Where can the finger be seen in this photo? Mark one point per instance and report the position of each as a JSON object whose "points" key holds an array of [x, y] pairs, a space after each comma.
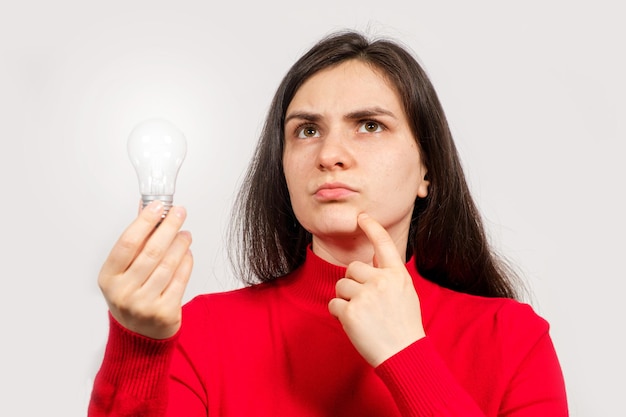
{"points": [[157, 245], [336, 307], [155, 284], [347, 288], [360, 272], [385, 249], [178, 283], [132, 239]]}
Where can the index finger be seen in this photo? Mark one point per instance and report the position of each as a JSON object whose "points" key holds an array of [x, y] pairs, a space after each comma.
{"points": [[132, 239], [385, 249]]}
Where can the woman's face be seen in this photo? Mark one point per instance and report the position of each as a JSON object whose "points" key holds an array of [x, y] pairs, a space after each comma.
{"points": [[349, 149]]}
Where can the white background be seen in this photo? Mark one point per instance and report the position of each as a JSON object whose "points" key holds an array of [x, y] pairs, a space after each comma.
{"points": [[534, 93]]}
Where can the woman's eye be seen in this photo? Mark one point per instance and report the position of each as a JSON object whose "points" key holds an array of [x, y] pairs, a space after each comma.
{"points": [[370, 127], [308, 132]]}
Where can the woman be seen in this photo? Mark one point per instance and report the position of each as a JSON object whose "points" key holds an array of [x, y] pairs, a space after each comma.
{"points": [[372, 291]]}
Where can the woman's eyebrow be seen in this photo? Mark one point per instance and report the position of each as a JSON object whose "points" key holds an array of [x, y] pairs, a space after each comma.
{"points": [[310, 117], [353, 115], [368, 112]]}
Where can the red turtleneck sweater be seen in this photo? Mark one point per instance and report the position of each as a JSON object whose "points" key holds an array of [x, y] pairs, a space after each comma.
{"points": [[275, 350]]}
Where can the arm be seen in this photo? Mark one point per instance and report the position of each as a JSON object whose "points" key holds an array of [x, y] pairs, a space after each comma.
{"points": [[380, 312], [143, 281], [422, 385]]}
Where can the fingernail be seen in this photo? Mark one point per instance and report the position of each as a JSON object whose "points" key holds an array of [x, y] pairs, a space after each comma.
{"points": [[179, 212], [155, 206]]}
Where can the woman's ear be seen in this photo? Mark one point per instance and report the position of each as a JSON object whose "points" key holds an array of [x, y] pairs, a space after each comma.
{"points": [[422, 188]]}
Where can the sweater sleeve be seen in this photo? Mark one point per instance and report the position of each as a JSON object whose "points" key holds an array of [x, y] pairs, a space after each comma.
{"points": [[133, 377], [422, 385]]}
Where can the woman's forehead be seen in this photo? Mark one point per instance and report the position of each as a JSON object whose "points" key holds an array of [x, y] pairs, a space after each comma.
{"points": [[350, 85]]}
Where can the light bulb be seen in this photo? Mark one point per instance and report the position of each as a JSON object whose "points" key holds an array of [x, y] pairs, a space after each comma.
{"points": [[157, 149]]}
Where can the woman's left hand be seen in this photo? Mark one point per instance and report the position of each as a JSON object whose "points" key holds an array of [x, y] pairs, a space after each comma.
{"points": [[377, 305]]}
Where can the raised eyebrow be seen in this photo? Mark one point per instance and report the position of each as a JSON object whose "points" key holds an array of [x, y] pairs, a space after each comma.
{"points": [[309, 117], [369, 112]]}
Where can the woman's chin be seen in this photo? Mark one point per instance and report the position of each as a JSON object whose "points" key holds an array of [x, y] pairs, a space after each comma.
{"points": [[334, 226], [332, 220]]}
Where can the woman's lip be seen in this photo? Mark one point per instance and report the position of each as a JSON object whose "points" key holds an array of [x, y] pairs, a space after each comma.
{"points": [[329, 192]]}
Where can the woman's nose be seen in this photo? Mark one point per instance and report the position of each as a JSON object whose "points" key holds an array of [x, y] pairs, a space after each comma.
{"points": [[334, 152]]}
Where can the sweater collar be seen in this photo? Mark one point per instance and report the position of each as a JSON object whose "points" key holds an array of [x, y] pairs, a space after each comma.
{"points": [[313, 284]]}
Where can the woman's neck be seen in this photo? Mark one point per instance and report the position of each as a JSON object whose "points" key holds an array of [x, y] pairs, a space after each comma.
{"points": [[344, 250]]}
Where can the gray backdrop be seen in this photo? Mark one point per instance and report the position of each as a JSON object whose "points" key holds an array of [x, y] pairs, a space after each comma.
{"points": [[534, 93]]}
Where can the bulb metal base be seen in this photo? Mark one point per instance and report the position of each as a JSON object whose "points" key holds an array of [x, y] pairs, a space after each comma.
{"points": [[168, 202]]}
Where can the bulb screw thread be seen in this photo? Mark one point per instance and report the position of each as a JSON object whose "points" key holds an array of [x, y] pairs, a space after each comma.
{"points": [[167, 200]]}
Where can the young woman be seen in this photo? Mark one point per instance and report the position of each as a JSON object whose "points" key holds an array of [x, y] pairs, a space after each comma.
{"points": [[372, 290]]}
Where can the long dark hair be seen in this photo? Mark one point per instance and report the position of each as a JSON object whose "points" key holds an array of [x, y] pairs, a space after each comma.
{"points": [[446, 236]]}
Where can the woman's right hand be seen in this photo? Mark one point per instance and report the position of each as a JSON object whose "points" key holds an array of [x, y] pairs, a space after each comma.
{"points": [[144, 277]]}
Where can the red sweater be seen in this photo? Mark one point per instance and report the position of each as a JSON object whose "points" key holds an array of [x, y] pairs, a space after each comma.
{"points": [[275, 350]]}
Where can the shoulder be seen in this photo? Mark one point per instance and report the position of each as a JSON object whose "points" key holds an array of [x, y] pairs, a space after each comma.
{"points": [[495, 314], [512, 313], [500, 311], [498, 321], [498, 334], [519, 326], [241, 302], [227, 315]]}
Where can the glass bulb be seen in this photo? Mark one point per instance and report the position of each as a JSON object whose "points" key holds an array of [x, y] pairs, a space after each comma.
{"points": [[157, 149]]}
